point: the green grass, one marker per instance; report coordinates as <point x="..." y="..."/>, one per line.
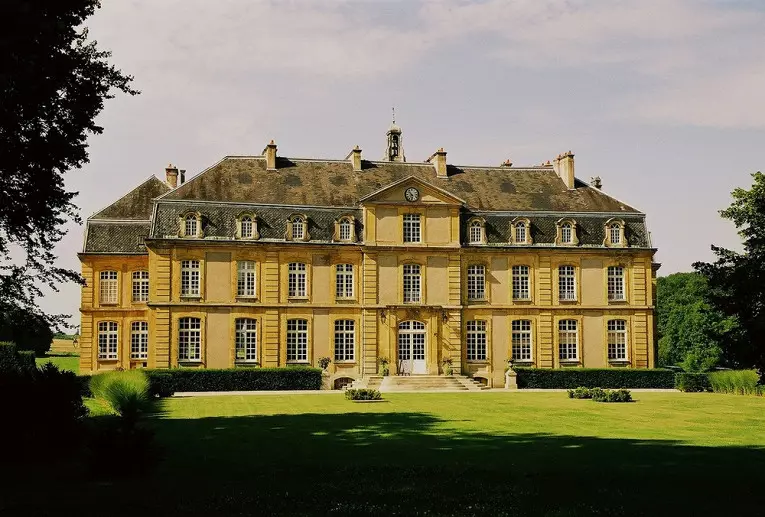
<point x="454" y="454"/>
<point x="63" y="361"/>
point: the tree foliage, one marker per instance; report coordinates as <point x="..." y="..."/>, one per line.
<point x="737" y="280"/>
<point x="29" y="331"/>
<point x="53" y="83"/>
<point x="691" y="332"/>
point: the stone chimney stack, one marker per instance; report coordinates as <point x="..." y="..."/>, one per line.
<point x="171" y="175"/>
<point x="183" y="176"/>
<point x="355" y="156"/>
<point x="270" y="153"/>
<point x="438" y="159"/>
<point x="595" y="182"/>
<point x="564" y="166"/>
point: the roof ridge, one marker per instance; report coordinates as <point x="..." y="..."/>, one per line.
<point x="147" y="180"/>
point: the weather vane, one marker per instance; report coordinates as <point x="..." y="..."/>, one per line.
<point x="393" y="109"/>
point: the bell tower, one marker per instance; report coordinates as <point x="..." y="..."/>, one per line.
<point x="395" y="148"/>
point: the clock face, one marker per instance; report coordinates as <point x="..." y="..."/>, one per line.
<point x="412" y="194"/>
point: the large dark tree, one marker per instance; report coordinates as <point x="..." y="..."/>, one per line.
<point x="737" y="280"/>
<point x="53" y="83"/>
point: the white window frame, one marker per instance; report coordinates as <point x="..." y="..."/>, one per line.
<point x="344" y="282"/>
<point x="246" y="340"/>
<point x="475" y="232"/>
<point x="191" y="225"/>
<point x="345" y="341"/>
<point x="521" y="282"/>
<point x="140" y="286"/>
<point x="567" y="283"/>
<point x="297" y="340"/>
<point x="476" y="345"/>
<point x="616" y="339"/>
<point x="568" y="340"/>
<point x="520" y="230"/>
<point x="345" y="230"/>
<point x="109" y="287"/>
<point x="615" y="233"/>
<point x="190" y="339"/>
<point x="246" y="279"/>
<point x="247" y="227"/>
<point x="191" y="272"/>
<point x="567" y="233"/>
<point x="616" y="285"/>
<point x="412" y="283"/>
<point x="108" y="341"/>
<point x="476" y="282"/>
<point x="297" y="280"/>
<point x="139" y="340"/>
<point x="521" y="340"/>
<point x="412" y="226"/>
<point x="298" y="228"/>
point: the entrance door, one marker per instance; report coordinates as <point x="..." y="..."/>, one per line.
<point x="411" y="348"/>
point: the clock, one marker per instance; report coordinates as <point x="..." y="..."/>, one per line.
<point x="412" y="194"/>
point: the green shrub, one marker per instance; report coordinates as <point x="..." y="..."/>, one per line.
<point x="26" y="359"/>
<point x="161" y="384"/>
<point x="363" y="394"/>
<point x="127" y="392"/>
<point x="692" y="382"/>
<point x="9" y="358"/>
<point x="620" y="395"/>
<point x="739" y="382"/>
<point x="239" y="379"/>
<point x="570" y="378"/>
<point x="580" y="393"/>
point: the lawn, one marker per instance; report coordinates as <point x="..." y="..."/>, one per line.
<point x="454" y="454"/>
<point x="64" y="362"/>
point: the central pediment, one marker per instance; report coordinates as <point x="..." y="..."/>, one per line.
<point x="411" y="191"/>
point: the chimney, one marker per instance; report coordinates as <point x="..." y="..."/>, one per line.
<point x="564" y="167"/>
<point x="171" y="175"/>
<point x="595" y="182"/>
<point x="183" y="176"/>
<point x="438" y="159"/>
<point x="355" y="157"/>
<point x="270" y="153"/>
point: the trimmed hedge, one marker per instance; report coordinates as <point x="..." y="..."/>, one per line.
<point x="692" y="382"/>
<point x="16" y="361"/>
<point x="571" y="378"/>
<point x="164" y="382"/>
<point x="363" y="394"/>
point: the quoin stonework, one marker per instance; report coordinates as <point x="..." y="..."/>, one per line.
<point x="272" y="261"/>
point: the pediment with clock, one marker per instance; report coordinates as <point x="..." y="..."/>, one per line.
<point x="411" y="191"/>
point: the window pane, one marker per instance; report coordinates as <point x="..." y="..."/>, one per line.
<point x="344" y="280"/>
<point x="245" y="278"/>
<point x="567" y="340"/>
<point x="521" y="340"/>
<point x="520" y="232"/>
<point x="189" y="339"/>
<point x="345" y="230"/>
<point x="246" y="227"/>
<point x="109" y="287"/>
<point x="411" y="227"/>
<point x="617" y="340"/>
<point x="412" y="281"/>
<point x="566" y="283"/>
<point x="521" y="283"/>
<point x="246" y="340"/>
<point x="297" y="340"/>
<point x="107" y="340"/>
<point x="616" y="283"/>
<point x="616" y="234"/>
<point x="476" y="232"/>
<point x="191" y="226"/>
<point x="566" y="233"/>
<point x="139" y="340"/>
<point x="189" y="278"/>
<point x="476" y="282"/>
<point x="344" y="340"/>
<point x="476" y="340"/>
<point x="296" y="280"/>
<point x="298" y="228"/>
<point x="140" y="286"/>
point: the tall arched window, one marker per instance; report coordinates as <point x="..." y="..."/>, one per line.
<point x="346" y="229"/>
<point x="191" y="225"/>
<point x="298" y="228"/>
<point x="476" y="232"/>
<point x="520" y="232"/>
<point x="566" y="233"/>
<point x="246" y="227"/>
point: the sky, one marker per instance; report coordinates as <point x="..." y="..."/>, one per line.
<point x="663" y="99"/>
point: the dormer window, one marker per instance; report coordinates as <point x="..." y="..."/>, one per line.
<point x="566" y="234"/>
<point x="345" y="229"/>
<point x="191" y="225"/>
<point x="615" y="233"/>
<point x="247" y="227"/>
<point x="476" y="231"/>
<point x="521" y="231"/>
<point x="297" y="228"/>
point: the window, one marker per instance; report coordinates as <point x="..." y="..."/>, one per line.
<point x="140" y="286"/>
<point x="521" y="283"/>
<point x="568" y="339"/>
<point x="246" y="340"/>
<point x="475" y="232"/>
<point x="345" y="232"/>
<point x="615" y="231"/>
<point x="476" y="340"/>
<point x="615" y="283"/>
<point x="344" y="340"/>
<point x="476" y="282"/>
<point x="298" y="228"/>
<point x="617" y="340"/>
<point x="520" y="232"/>
<point x="412" y="227"/>
<point x="189" y="278"/>
<point x="246" y="227"/>
<point x="566" y="233"/>
<point x="189" y="339"/>
<point x="566" y="283"/>
<point x="521" y="340"/>
<point x="296" y="280"/>
<point x="412" y="281"/>
<point x="191" y="225"/>
<point x="297" y="340"/>
<point x="139" y="340"/>
<point x="245" y="278"/>
<point x="107" y="340"/>
<point x="344" y="281"/>
<point x="109" y="287"/>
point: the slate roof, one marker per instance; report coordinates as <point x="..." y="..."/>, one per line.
<point x="137" y="204"/>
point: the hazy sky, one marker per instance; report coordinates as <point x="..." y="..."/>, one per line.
<point x="664" y="99"/>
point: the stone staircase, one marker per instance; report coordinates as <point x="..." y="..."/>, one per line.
<point x="418" y="383"/>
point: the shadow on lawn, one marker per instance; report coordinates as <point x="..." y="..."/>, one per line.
<point x="409" y="463"/>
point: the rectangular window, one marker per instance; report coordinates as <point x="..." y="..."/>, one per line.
<point x="107" y="340"/>
<point x="345" y="230"/>
<point x="344" y="281"/>
<point x="297" y="340"/>
<point x="476" y="340"/>
<point x="246" y="340"/>
<point x="345" y="340"/>
<point x="189" y="278"/>
<point x="476" y="282"/>
<point x="140" y="286"/>
<point x="412" y="228"/>
<point x="521" y="340"/>
<point x="520" y="233"/>
<point x="616" y="234"/>
<point x="566" y="283"/>
<point x="189" y="339"/>
<point x="245" y="278"/>
<point x="139" y="340"/>
<point x="109" y="288"/>
<point x="617" y="340"/>
<point x="568" y="340"/>
<point x="521" y="289"/>
<point x="296" y="280"/>
<point x="412" y="282"/>
<point x="616" y="283"/>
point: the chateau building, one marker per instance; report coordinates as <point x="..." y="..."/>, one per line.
<point x="272" y="261"/>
